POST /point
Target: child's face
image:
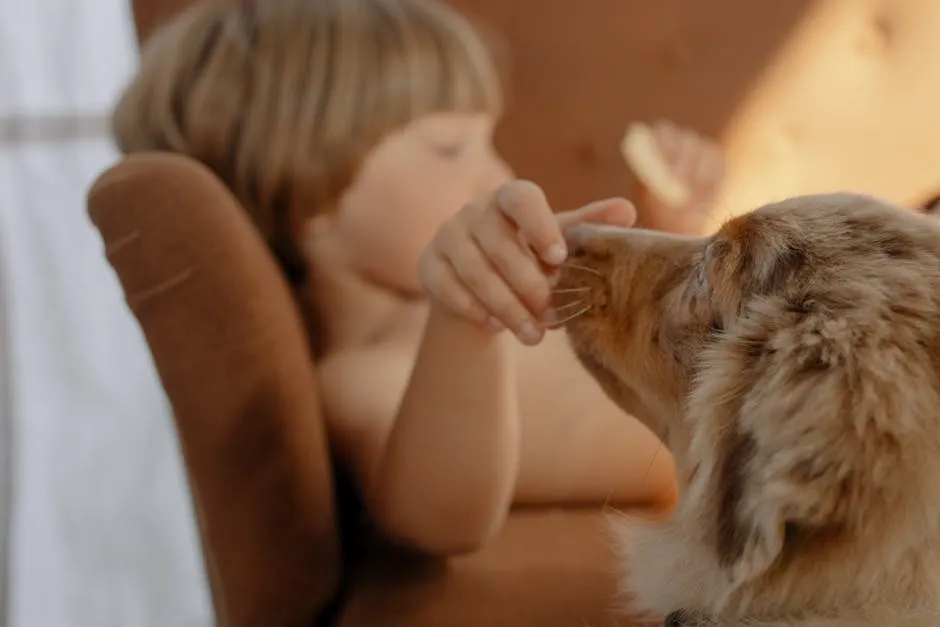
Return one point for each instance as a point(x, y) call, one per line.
point(409, 184)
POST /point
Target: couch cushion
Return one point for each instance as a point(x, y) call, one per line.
point(548, 568)
point(232, 355)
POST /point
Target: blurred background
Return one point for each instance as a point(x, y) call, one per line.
point(806, 95)
point(96, 524)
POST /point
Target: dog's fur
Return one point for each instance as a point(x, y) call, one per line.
point(791, 363)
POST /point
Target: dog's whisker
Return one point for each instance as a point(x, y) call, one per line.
point(556, 321)
point(567, 319)
point(569, 305)
point(576, 266)
point(649, 469)
point(571, 290)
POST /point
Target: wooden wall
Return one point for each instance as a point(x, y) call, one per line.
point(807, 95)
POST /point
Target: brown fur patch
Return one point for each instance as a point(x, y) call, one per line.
point(731, 535)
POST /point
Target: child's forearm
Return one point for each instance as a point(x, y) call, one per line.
point(448, 473)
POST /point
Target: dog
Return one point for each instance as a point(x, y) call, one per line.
point(931, 207)
point(791, 363)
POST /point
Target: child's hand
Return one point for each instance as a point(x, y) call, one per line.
point(698, 163)
point(490, 263)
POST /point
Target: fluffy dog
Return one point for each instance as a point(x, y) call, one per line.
point(791, 363)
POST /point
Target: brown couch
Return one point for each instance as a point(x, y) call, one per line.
point(283, 544)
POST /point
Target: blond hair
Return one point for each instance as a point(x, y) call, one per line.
point(283, 99)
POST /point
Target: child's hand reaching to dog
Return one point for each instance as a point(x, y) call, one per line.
point(491, 263)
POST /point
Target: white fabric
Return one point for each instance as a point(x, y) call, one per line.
point(101, 527)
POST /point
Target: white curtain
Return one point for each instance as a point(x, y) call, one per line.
point(96, 527)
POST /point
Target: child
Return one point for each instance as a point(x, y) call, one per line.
point(353, 131)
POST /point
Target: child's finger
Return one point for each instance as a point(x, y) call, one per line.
point(668, 140)
point(441, 282)
point(688, 155)
point(702, 172)
point(481, 280)
point(497, 238)
point(709, 171)
point(524, 203)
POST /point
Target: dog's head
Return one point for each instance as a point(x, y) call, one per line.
point(790, 362)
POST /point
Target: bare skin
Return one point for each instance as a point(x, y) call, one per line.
point(553, 393)
point(446, 419)
point(558, 439)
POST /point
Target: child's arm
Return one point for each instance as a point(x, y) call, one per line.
point(448, 474)
point(438, 463)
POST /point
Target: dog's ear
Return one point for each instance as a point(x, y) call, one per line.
point(789, 447)
point(751, 508)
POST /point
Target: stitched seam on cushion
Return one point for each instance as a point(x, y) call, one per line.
point(138, 298)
